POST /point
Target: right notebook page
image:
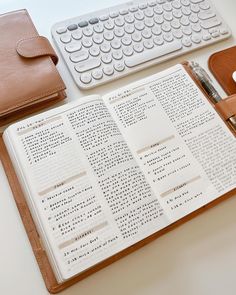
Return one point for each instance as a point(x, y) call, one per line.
point(185, 150)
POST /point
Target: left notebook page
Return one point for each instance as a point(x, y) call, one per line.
point(87, 194)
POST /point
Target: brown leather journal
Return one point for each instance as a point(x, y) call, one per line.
point(33, 235)
point(222, 65)
point(29, 80)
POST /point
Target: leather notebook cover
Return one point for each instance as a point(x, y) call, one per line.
point(39, 252)
point(28, 76)
point(222, 65)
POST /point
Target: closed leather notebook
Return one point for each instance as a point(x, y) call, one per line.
point(29, 79)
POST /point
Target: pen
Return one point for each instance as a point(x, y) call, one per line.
point(201, 75)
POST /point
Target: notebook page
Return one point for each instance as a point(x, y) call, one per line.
point(185, 150)
point(87, 192)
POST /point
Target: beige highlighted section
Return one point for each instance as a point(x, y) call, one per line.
point(174, 189)
point(83, 235)
point(127, 95)
point(147, 148)
point(53, 119)
point(66, 181)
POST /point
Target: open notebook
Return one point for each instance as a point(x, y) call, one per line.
point(103, 173)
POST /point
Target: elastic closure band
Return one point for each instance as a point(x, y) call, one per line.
point(227, 107)
point(36, 47)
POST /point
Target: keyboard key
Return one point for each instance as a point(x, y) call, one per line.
point(109, 25)
point(83, 24)
point(149, 22)
point(139, 15)
point(98, 39)
point(206, 14)
point(126, 40)
point(185, 2)
point(104, 17)
point(158, 9)
point(152, 3)
point(168, 16)
point(79, 56)
point(77, 35)
point(87, 65)
point(93, 20)
point(186, 42)
point(166, 27)
point(72, 27)
point(158, 40)
point(204, 5)
point(177, 13)
point(97, 74)
point(184, 21)
point(119, 32)
point(135, 60)
point(224, 31)
point(142, 5)
point(94, 51)
point(215, 34)
point(146, 33)
point(98, 28)
point(138, 47)
point(129, 18)
point(61, 30)
point(128, 51)
point(129, 29)
point(175, 24)
point(168, 37)
point(186, 11)
point(65, 38)
point(105, 47)
point(158, 19)
point(176, 4)
point(195, 8)
point(108, 35)
point(196, 38)
point(193, 18)
point(108, 70)
point(139, 26)
point(86, 78)
point(156, 30)
point(115, 44)
point(114, 14)
point(133, 8)
point(124, 11)
point(213, 22)
point(119, 66)
point(148, 44)
point(196, 28)
point(88, 31)
point(167, 6)
point(187, 31)
point(149, 12)
point(136, 37)
point(117, 54)
point(177, 34)
point(106, 58)
point(87, 42)
point(73, 47)
point(119, 21)
point(206, 37)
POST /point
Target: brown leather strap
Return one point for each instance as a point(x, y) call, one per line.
point(227, 107)
point(36, 47)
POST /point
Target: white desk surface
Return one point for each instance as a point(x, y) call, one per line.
point(197, 258)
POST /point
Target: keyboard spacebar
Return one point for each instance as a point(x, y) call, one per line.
point(150, 54)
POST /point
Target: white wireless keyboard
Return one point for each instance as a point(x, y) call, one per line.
point(108, 44)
